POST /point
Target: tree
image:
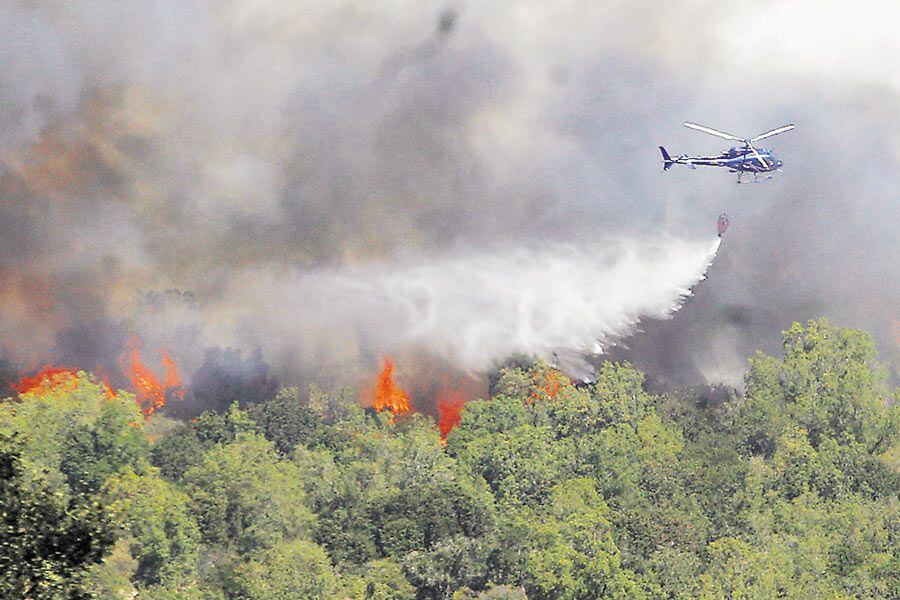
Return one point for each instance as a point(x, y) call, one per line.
point(47, 539)
point(617, 396)
point(738, 571)
point(78, 431)
point(111, 578)
point(243, 496)
point(381, 579)
point(547, 489)
point(494, 592)
point(177, 451)
point(496, 415)
point(522, 465)
point(829, 383)
point(164, 537)
point(183, 447)
point(285, 421)
point(573, 553)
point(450, 564)
point(290, 569)
point(92, 451)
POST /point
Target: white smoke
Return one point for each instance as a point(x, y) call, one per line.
point(472, 310)
point(246, 149)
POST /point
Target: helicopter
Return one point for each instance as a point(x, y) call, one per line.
point(740, 160)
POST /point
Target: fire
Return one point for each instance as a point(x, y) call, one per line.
point(107, 389)
point(388, 396)
point(433, 389)
point(173, 379)
point(547, 385)
point(151, 393)
point(450, 402)
point(48, 380)
point(52, 379)
point(104, 381)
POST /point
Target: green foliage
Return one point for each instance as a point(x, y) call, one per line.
point(295, 569)
point(573, 553)
point(546, 490)
point(163, 535)
point(47, 540)
point(178, 451)
point(184, 447)
point(222, 428)
point(448, 565)
point(520, 465)
point(494, 592)
point(285, 421)
point(243, 496)
point(381, 579)
point(93, 451)
point(77, 433)
point(112, 577)
point(828, 383)
point(619, 395)
point(497, 415)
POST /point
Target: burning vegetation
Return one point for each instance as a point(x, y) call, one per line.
point(444, 401)
point(48, 380)
point(52, 380)
point(450, 403)
point(547, 384)
point(151, 394)
point(151, 391)
point(388, 396)
point(590, 477)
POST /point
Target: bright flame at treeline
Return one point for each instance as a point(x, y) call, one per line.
point(388, 396)
point(151, 393)
point(449, 398)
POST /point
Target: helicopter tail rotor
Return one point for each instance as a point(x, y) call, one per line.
point(667, 160)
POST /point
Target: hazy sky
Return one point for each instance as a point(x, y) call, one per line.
point(830, 39)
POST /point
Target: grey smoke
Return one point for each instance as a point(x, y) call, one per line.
point(206, 144)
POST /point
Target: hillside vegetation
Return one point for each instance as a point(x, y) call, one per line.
point(544, 490)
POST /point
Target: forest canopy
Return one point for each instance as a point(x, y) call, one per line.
point(545, 489)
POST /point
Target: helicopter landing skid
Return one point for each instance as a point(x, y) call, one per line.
point(755, 179)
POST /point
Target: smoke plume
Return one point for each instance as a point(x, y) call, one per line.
point(316, 184)
point(474, 310)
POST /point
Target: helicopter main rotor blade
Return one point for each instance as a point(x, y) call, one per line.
point(758, 156)
point(715, 132)
point(769, 134)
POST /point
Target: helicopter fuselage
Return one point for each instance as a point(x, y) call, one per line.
point(736, 160)
point(740, 160)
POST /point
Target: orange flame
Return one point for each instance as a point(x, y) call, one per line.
point(57, 379)
point(104, 381)
point(387, 395)
point(450, 402)
point(547, 385)
point(151, 394)
point(107, 389)
point(173, 379)
point(48, 380)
